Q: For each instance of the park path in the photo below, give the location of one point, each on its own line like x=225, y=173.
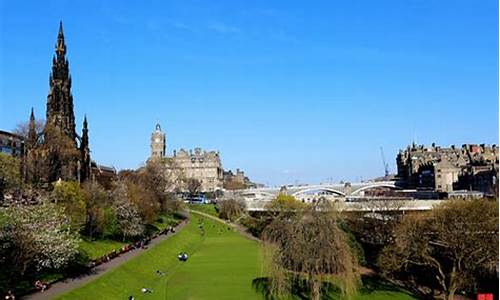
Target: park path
x=238, y=227
x=69, y=284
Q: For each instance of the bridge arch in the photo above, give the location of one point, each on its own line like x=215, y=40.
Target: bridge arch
x=372, y=186
x=312, y=189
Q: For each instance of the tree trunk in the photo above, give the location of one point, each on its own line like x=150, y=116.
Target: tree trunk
x=315, y=287
x=451, y=294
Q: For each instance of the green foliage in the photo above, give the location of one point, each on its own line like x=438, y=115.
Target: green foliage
x=109, y=225
x=356, y=247
x=71, y=197
x=285, y=203
x=10, y=172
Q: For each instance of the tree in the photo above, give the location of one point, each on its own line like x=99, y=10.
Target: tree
x=453, y=243
x=193, y=186
x=22, y=129
x=10, y=173
x=61, y=154
x=128, y=219
x=100, y=219
x=309, y=246
x=36, y=236
x=230, y=209
x=285, y=204
x=71, y=197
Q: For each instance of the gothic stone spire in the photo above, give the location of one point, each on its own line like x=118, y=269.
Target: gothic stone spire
x=84, y=152
x=31, y=131
x=60, y=100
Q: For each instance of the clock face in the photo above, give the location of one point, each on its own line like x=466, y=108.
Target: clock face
x=157, y=140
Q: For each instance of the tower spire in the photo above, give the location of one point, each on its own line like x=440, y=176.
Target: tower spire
x=84, y=152
x=32, y=131
x=60, y=101
x=60, y=46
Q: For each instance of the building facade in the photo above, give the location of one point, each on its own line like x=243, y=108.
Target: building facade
x=11, y=144
x=204, y=166
x=470, y=167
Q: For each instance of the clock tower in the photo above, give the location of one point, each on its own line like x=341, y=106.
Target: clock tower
x=158, y=143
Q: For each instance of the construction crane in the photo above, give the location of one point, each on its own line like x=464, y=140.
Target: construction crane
x=386, y=166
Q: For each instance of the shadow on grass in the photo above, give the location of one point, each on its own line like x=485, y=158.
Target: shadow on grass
x=300, y=289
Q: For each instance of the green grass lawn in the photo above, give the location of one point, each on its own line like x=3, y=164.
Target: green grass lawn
x=99, y=248
x=222, y=265
x=204, y=208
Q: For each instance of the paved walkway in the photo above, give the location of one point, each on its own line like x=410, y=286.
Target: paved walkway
x=66, y=285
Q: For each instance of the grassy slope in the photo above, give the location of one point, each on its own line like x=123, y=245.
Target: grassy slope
x=222, y=260
x=222, y=265
x=204, y=208
x=96, y=249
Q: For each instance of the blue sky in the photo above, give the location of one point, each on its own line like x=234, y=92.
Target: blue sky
x=289, y=91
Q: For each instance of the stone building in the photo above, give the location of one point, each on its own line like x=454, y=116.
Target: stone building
x=204, y=166
x=471, y=167
x=60, y=125
x=11, y=143
x=237, y=180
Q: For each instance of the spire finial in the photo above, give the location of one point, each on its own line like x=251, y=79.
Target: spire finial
x=60, y=46
x=32, y=116
x=85, y=121
x=61, y=28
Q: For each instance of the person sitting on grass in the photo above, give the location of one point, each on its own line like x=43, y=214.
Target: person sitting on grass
x=146, y=290
x=131, y=297
x=42, y=286
x=183, y=256
x=161, y=273
x=10, y=296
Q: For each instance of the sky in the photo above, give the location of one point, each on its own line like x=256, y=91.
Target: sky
x=288, y=91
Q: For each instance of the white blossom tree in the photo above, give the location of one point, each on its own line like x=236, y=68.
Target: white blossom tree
x=128, y=217
x=37, y=236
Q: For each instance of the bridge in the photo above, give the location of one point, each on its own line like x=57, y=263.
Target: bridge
x=310, y=193
x=348, y=196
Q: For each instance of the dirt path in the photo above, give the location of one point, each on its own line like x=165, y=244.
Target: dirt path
x=71, y=283
x=238, y=227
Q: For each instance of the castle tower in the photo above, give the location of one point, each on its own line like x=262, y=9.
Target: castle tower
x=60, y=100
x=158, y=143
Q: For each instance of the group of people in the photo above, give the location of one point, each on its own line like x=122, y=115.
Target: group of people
x=141, y=244
x=10, y=296
x=39, y=285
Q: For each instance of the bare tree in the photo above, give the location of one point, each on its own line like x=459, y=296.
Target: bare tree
x=193, y=186
x=230, y=209
x=309, y=246
x=22, y=129
x=452, y=243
